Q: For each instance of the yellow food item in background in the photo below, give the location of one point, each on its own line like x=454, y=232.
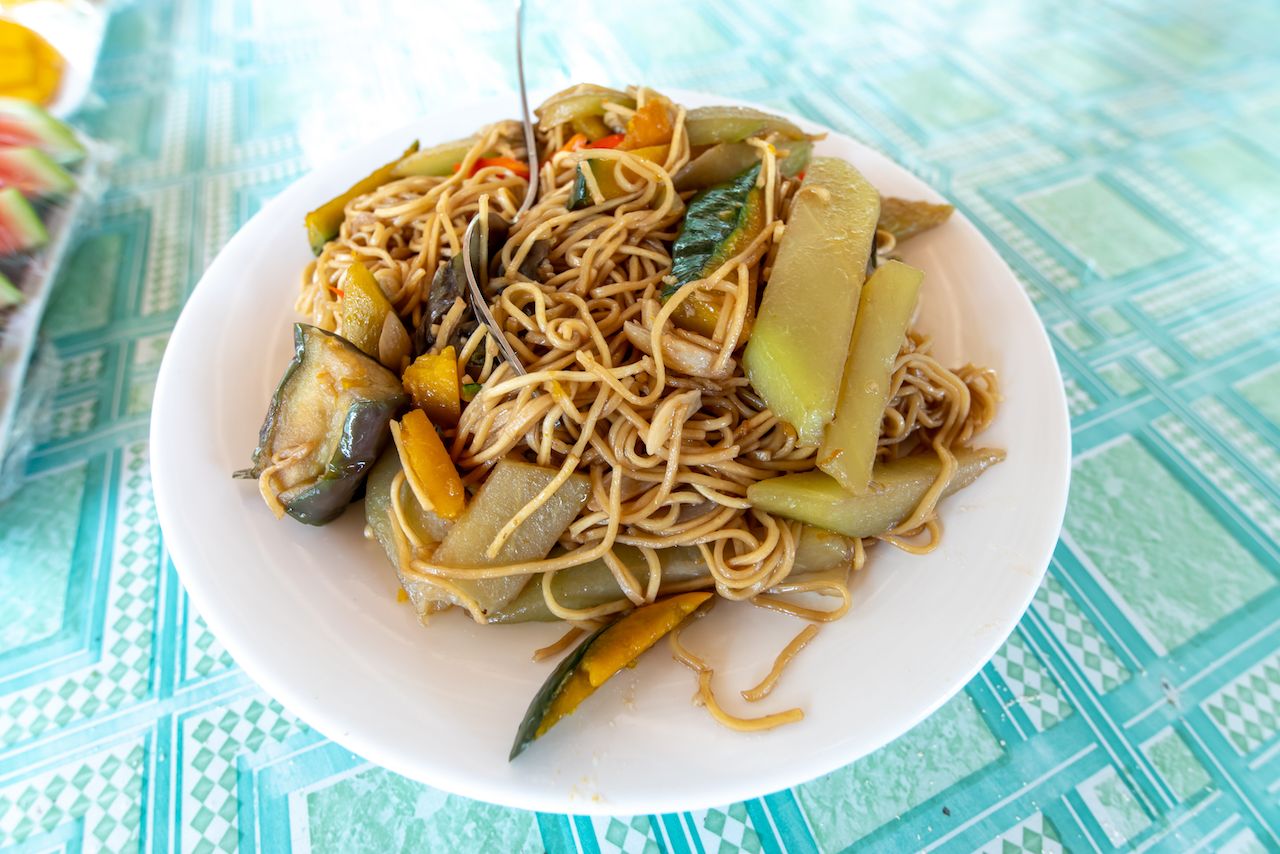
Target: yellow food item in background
x=30, y=68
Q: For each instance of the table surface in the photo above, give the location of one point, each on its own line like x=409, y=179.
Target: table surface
x=1121, y=157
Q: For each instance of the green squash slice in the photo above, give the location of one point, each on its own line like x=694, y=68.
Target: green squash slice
x=848, y=449
x=324, y=223
x=427, y=526
x=898, y=487
x=683, y=569
x=709, y=125
x=511, y=486
x=796, y=354
x=722, y=161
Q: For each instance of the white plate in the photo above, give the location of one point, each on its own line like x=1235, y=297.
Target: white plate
x=311, y=613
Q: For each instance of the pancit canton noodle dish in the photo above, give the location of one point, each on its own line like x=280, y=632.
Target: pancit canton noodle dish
x=719, y=393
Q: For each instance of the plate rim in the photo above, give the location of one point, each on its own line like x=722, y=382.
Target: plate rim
x=294, y=697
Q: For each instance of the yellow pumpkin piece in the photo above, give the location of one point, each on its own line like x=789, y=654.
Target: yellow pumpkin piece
x=618, y=646
x=652, y=153
x=30, y=68
x=650, y=125
x=427, y=464
x=623, y=642
x=699, y=313
x=364, y=308
x=432, y=381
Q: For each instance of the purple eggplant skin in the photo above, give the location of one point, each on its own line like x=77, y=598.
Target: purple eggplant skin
x=363, y=431
x=450, y=282
x=262, y=453
x=364, y=434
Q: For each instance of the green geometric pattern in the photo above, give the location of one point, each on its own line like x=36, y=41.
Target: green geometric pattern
x=101, y=791
x=1247, y=710
x=1122, y=159
x=1257, y=451
x=1262, y=391
x=1225, y=333
x=127, y=632
x=1214, y=467
x=66, y=422
x=204, y=654
x=1160, y=590
x=212, y=742
x=728, y=831
x=1096, y=223
x=1078, y=400
x=370, y=809
x=1035, y=690
x=846, y=805
x=1101, y=666
x=626, y=836
x=33, y=535
x=1034, y=835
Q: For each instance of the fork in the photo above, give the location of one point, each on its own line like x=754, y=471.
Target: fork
x=475, y=240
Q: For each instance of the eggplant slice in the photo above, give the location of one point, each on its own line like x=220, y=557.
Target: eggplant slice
x=326, y=426
x=449, y=284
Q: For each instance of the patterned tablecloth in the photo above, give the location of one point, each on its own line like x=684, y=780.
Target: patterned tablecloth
x=1122, y=157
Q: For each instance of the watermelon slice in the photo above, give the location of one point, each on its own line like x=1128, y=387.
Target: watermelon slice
x=34, y=173
x=24, y=124
x=9, y=293
x=20, y=228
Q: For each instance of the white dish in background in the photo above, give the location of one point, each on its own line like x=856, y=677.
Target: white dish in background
x=311, y=613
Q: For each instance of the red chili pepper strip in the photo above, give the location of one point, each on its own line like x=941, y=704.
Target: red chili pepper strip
x=613, y=140
x=519, y=167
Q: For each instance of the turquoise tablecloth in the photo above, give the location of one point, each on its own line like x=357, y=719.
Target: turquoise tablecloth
x=1122, y=157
